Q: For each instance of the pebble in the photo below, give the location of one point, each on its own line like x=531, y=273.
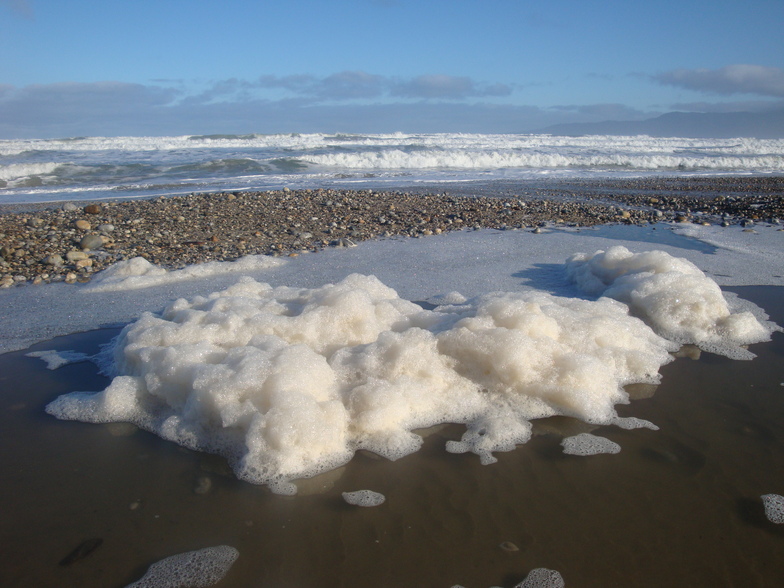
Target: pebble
x=181, y=230
x=83, y=225
x=74, y=256
x=55, y=260
x=91, y=242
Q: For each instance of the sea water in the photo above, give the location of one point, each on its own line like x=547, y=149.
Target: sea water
x=45, y=170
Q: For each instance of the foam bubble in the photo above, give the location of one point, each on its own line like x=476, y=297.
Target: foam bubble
x=673, y=296
x=542, y=578
x=774, y=508
x=364, y=498
x=136, y=273
x=194, y=569
x=587, y=444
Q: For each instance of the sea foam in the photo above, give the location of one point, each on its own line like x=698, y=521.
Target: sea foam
x=194, y=569
x=137, y=272
x=287, y=383
x=673, y=296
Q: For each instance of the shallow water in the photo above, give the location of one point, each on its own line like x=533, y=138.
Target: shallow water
x=676, y=507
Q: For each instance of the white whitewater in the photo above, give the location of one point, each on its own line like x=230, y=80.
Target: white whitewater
x=44, y=170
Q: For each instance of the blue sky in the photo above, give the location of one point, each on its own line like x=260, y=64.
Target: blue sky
x=159, y=67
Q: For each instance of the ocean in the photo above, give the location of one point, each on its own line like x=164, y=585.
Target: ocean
x=81, y=168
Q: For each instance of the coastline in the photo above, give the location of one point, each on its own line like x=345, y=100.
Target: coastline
x=448, y=520
x=70, y=242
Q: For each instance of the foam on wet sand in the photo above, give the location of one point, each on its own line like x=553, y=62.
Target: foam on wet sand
x=774, y=508
x=587, y=444
x=290, y=382
x=364, y=498
x=194, y=569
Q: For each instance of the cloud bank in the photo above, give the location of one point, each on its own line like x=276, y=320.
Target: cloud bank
x=731, y=79
x=347, y=101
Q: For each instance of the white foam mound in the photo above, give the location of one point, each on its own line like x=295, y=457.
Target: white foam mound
x=194, y=569
x=364, y=498
x=587, y=444
x=288, y=383
x=542, y=578
x=137, y=273
x=673, y=296
x=774, y=508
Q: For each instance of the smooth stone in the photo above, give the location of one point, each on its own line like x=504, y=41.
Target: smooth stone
x=83, y=225
x=106, y=228
x=55, y=260
x=91, y=242
x=73, y=256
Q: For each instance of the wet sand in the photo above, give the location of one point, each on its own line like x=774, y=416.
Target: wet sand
x=676, y=507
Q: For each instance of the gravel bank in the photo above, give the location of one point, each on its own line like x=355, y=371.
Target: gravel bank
x=70, y=242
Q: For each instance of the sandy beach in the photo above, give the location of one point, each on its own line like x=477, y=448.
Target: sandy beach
x=679, y=506
x=95, y=505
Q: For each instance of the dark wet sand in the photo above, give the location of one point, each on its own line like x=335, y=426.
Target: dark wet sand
x=677, y=507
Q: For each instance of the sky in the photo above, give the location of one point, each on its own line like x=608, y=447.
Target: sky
x=174, y=67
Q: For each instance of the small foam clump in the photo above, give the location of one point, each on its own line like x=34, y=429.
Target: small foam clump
x=136, y=273
x=364, y=498
x=587, y=444
x=194, y=569
x=57, y=359
x=673, y=296
x=774, y=508
x=542, y=578
x=630, y=423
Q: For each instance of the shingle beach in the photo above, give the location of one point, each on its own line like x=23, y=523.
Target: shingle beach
x=69, y=242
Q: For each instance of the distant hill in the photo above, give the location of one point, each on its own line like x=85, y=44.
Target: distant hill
x=715, y=125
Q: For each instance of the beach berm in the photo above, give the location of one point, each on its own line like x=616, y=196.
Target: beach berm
x=70, y=243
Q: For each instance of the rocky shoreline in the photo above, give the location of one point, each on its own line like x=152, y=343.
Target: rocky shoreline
x=71, y=242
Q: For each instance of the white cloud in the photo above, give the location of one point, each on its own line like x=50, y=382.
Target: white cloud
x=731, y=79
x=446, y=87
x=351, y=85
x=115, y=108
